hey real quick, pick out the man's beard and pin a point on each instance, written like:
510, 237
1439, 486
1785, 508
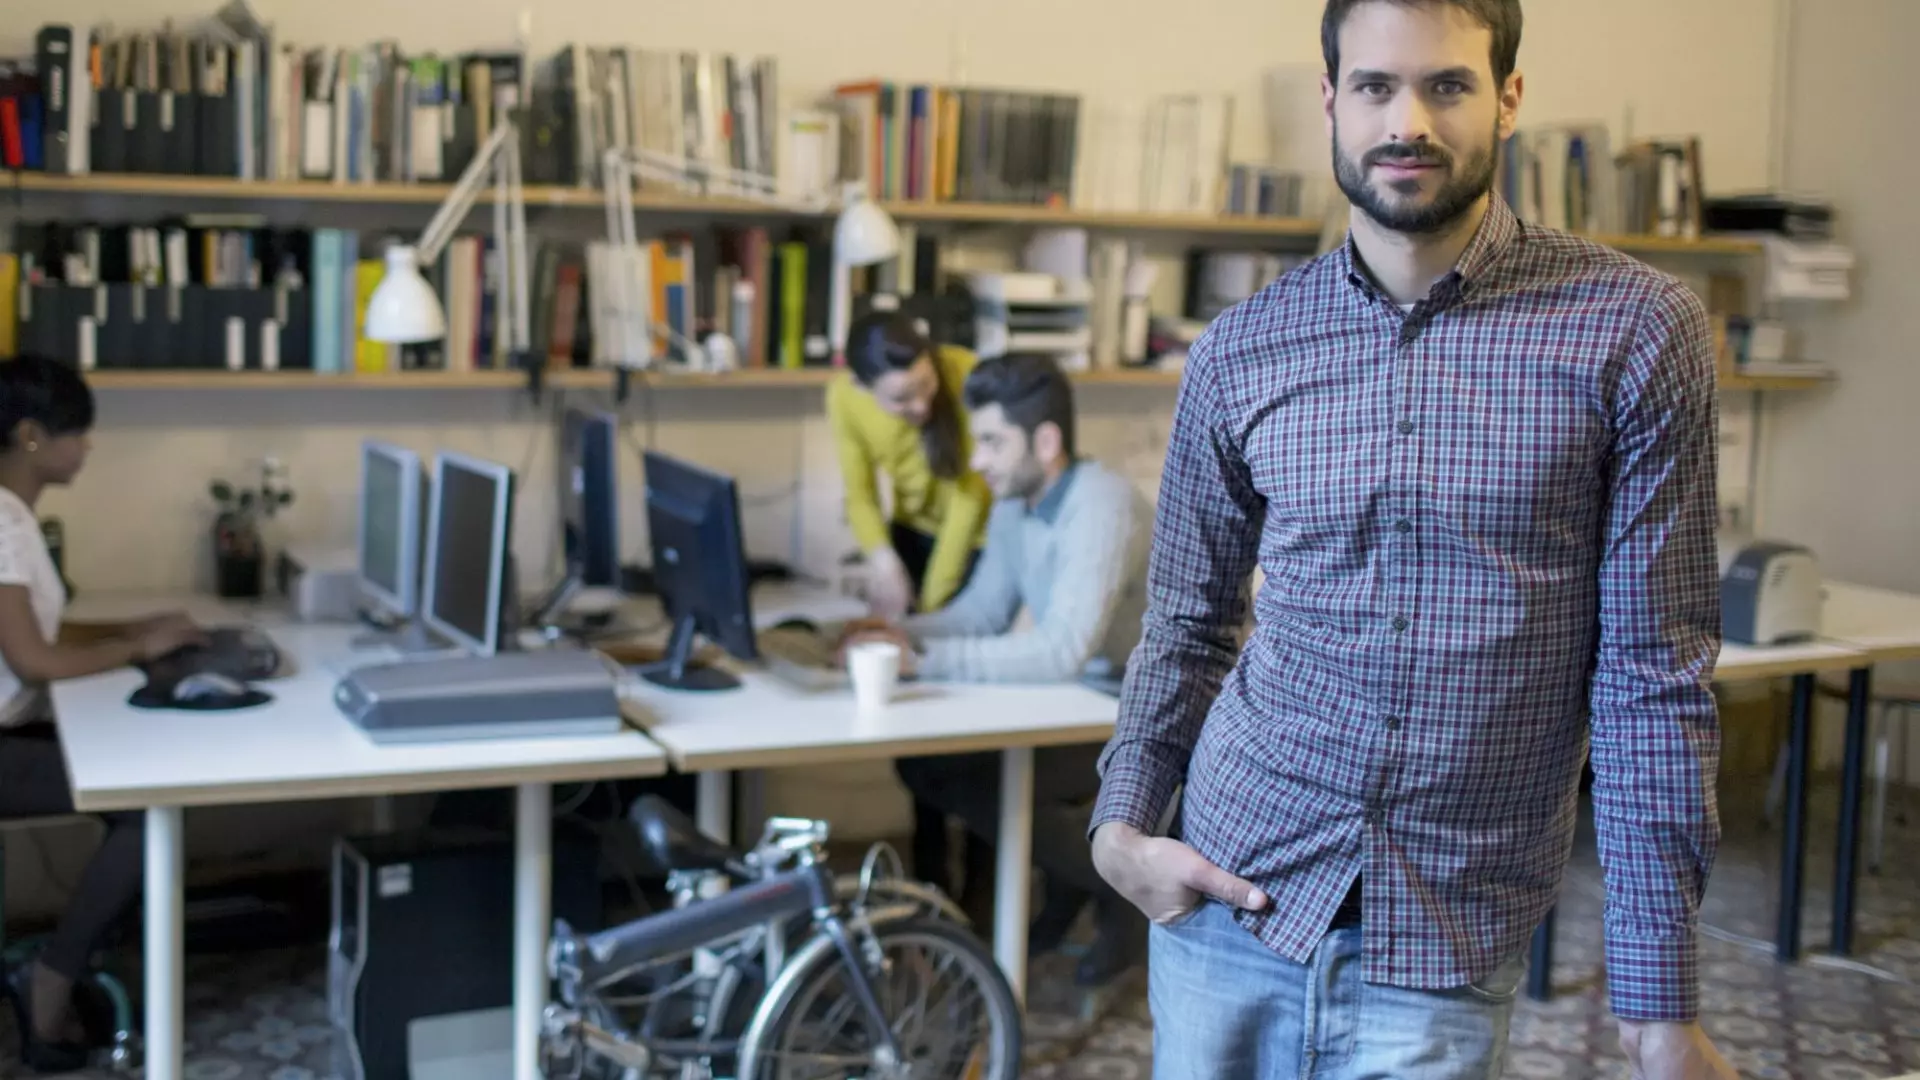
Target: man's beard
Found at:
1027, 480
1462, 188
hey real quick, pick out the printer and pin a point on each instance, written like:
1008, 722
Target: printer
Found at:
1770, 592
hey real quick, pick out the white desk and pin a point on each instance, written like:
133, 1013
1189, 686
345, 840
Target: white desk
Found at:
1885, 627
766, 723
300, 747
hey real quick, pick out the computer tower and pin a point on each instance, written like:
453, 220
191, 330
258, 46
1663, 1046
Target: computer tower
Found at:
420, 962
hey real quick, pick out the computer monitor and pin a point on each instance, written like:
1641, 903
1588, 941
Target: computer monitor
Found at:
390, 529
589, 497
469, 538
700, 569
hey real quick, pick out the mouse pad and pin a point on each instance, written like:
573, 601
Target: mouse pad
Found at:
152, 696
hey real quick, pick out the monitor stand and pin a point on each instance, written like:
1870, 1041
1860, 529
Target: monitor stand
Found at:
408, 637
679, 672
546, 615
555, 615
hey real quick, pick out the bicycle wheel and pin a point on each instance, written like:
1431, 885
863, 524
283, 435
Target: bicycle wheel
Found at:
949, 1008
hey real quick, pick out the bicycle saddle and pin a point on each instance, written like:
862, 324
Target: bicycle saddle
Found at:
674, 843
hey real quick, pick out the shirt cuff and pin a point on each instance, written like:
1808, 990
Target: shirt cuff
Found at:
1654, 980
1133, 791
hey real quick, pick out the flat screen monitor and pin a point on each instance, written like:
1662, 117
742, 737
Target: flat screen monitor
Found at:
700, 569
590, 498
390, 527
469, 537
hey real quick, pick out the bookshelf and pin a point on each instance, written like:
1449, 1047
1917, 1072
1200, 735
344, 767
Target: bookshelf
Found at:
602, 379
1299, 231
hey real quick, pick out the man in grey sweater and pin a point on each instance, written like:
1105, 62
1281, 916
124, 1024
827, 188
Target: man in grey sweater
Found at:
1067, 542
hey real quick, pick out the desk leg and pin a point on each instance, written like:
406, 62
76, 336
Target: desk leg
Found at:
1846, 862
1013, 874
713, 804
1540, 966
1794, 816
532, 919
165, 943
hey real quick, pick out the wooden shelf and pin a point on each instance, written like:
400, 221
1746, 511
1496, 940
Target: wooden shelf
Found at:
1044, 216
602, 379
309, 380
1775, 382
137, 185
576, 379
1299, 230
1673, 245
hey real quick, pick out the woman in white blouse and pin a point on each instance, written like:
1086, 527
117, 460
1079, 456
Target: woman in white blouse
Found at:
46, 410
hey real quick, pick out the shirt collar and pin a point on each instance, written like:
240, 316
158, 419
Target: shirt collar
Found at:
1497, 232
1048, 508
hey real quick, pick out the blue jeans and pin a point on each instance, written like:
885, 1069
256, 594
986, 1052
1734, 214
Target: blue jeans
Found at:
1225, 1005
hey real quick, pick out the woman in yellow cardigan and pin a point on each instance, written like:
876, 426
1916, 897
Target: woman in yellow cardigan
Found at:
897, 412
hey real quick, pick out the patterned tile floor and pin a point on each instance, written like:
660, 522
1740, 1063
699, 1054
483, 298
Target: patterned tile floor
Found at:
262, 1016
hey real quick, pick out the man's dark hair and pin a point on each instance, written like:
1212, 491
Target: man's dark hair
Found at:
45, 391
1500, 16
1031, 390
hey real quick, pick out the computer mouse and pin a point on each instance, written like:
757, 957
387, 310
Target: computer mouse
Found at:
804, 626
208, 688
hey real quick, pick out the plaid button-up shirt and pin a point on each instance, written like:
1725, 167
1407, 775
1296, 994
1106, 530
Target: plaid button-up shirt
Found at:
1487, 533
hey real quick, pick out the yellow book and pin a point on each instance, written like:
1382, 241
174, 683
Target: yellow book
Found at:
370, 357
9, 305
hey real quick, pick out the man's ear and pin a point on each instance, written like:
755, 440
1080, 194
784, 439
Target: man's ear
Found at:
27, 432
1047, 442
1510, 96
1326, 100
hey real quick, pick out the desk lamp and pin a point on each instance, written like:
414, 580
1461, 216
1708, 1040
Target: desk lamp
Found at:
863, 234
404, 309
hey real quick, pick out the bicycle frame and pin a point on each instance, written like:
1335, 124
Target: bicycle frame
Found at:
681, 930
588, 961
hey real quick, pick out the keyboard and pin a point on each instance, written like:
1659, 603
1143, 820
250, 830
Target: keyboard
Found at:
801, 657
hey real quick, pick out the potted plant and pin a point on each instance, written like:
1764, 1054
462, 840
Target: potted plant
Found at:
239, 557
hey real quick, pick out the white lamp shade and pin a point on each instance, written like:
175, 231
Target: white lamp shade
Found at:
404, 308
864, 234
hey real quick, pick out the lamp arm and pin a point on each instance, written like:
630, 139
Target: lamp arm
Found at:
465, 192
516, 240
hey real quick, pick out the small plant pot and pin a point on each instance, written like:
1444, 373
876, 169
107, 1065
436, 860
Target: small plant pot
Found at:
237, 558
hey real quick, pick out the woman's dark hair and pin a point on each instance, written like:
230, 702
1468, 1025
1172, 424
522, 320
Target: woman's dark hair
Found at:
46, 392
883, 342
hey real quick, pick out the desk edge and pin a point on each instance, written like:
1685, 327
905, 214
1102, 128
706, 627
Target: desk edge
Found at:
100, 800
839, 753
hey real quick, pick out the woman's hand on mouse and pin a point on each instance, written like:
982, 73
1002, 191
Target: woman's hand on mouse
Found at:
159, 640
162, 621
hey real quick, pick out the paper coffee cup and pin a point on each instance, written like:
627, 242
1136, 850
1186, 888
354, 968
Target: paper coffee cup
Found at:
874, 667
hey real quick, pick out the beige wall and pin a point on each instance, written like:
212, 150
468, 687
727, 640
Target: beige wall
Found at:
139, 518
1840, 466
